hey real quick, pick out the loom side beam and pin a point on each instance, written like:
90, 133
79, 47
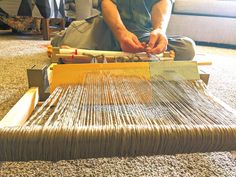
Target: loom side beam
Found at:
22, 110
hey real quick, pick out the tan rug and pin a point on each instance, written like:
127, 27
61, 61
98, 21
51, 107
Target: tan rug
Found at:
19, 53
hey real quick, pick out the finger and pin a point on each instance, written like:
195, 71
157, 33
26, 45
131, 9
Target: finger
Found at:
144, 44
160, 47
134, 47
152, 40
138, 43
130, 46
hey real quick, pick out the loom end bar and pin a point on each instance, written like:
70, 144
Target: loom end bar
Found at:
22, 110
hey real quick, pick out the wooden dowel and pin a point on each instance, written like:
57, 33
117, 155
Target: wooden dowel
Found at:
109, 57
109, 53
93, 52
72, 56
22, 110
204, 63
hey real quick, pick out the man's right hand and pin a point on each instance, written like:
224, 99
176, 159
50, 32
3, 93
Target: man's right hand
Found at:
129, 42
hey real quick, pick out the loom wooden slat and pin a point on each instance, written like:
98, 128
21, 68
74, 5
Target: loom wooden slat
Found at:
168, 70
74, 73
22, 109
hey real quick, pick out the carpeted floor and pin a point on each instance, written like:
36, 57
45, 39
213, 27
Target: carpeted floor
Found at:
19, 53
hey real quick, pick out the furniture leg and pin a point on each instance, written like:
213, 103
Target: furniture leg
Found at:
45, 29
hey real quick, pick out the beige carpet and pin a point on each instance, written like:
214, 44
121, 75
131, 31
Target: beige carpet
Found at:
19, 53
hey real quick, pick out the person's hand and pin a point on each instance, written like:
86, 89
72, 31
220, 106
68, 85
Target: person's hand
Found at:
129, 42
157, 42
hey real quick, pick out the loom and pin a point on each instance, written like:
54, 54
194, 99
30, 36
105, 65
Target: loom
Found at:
113, 107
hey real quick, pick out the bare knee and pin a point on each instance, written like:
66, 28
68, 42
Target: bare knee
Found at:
184, 48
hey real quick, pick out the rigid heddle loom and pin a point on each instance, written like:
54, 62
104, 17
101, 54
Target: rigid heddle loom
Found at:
118, 109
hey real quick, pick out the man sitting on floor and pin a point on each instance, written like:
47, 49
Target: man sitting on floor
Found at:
128, 25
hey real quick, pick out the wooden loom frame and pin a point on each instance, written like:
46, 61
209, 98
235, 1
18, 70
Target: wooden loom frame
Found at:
26, 105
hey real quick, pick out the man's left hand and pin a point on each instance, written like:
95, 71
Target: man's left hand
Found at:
157, 42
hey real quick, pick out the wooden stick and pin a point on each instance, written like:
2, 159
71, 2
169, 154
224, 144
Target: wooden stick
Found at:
72, 56
109, 53
204, 63
131, 57
94, 52
22, 109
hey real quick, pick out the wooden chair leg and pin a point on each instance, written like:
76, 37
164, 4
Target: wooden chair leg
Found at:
45, 29
62, 24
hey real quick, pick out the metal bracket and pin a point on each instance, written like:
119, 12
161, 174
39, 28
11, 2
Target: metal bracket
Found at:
204, 76
38, 77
